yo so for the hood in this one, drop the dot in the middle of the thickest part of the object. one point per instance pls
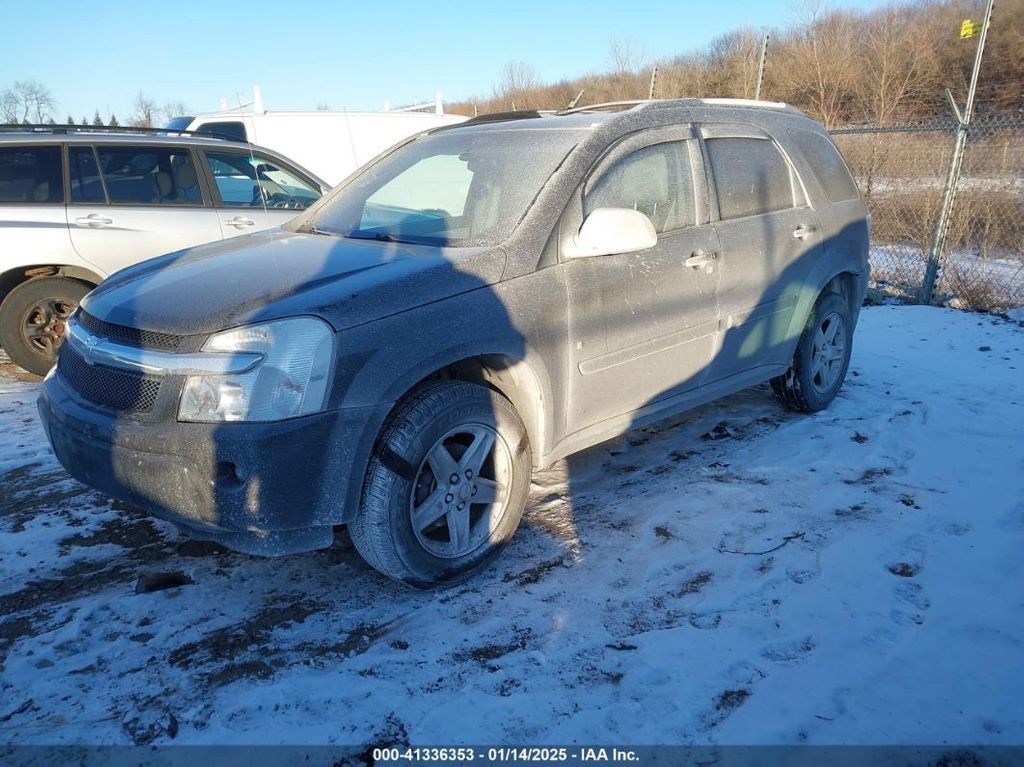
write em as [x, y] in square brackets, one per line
[276, 274]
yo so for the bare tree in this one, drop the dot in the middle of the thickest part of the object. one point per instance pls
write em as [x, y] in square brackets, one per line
[819, 64]
[897, 66]
[146, 113]
[733, 58]
[627, 57]
[172, 109]
[26, 101]
[517, 83]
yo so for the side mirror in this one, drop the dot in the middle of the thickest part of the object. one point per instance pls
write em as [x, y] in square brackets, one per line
[607, 231]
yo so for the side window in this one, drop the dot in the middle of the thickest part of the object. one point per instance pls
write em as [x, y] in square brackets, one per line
[31, 175]
[86, 185]
[149, 175]
[250, 181]
[827, 164]
[656, 180]
[228, 130]
[751, 176]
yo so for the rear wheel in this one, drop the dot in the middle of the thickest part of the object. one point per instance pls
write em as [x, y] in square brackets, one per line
[446, 486]
[821, 359]
[32, 320]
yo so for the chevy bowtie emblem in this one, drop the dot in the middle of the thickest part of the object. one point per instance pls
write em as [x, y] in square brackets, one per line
[90, 343]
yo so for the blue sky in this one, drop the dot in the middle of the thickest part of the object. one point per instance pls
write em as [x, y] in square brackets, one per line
[99, 54]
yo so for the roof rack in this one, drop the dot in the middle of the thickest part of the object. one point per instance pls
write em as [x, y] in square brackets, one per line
[685, 101]
[633, 104]
[63, 130]
[493, 117]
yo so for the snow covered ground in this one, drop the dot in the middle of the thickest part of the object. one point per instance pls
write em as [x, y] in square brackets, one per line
[737, 575]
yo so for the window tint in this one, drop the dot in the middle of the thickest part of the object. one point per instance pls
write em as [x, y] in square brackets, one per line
[31, 175]
[86, 185]
[149, 175]
[228, 130]
[250, 181]
[751, 176]
[828, 165]
[656, 180]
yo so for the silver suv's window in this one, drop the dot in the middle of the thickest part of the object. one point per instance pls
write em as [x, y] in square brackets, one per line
[31, 175]
[247, 180]
[129, 175]
[827, 164]
[656, 180]
[452, 188]
[751, 176]
[86, 184]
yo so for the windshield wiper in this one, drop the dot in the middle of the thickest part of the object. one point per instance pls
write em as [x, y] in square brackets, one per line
[313, 230]
[379, 236]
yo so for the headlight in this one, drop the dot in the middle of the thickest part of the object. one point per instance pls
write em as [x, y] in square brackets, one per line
[290, 380]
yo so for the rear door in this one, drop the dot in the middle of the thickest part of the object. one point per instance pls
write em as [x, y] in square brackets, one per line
[253, 191]
[129, 203]
[644, 324]
[769, 240]
[33, 224]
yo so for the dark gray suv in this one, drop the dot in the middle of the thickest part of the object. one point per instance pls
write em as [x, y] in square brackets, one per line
[480, 301]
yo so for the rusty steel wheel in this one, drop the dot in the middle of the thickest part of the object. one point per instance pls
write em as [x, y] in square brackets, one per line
[33, 317]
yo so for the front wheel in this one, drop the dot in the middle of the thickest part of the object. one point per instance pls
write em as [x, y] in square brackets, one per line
[821, 358]
[446, 486]
[32, 320]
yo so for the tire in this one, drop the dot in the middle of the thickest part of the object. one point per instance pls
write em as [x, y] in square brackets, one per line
[819, 366]
[32, 318]
[443, 420]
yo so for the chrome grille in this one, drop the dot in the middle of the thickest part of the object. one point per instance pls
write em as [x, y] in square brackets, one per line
[121, 390]
[145, 339]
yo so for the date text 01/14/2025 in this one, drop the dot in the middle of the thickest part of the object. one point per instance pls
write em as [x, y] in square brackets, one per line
[503, 754]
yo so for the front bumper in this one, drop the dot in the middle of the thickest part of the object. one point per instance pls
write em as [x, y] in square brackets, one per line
[261, 488]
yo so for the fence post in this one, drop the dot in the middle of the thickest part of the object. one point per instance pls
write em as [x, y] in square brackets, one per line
[760, 66]
[931, 272]
[938, 248]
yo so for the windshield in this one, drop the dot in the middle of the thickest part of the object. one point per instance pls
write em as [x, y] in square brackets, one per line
[178, 123]
[453, 188]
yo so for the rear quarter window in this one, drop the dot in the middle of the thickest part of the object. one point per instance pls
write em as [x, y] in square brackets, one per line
[31, 175]
[827, 164]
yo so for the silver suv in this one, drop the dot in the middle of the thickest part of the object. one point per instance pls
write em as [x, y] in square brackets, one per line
[77, 205]
[483, 300]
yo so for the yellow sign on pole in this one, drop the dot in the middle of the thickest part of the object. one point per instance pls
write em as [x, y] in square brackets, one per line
[968, 29]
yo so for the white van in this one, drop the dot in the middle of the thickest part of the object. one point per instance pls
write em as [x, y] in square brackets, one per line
[330, 144]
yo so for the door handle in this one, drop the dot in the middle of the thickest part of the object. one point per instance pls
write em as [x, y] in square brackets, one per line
[700, 258]
[802, 232]
[94, 219]
[238, 222]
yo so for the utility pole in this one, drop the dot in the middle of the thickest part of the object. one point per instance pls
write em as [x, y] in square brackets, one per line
[953, 177]
[760, 66]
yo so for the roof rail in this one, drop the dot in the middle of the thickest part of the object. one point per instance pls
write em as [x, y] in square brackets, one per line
[632, 103]
[493, 117]
[725, 102]
[63, 130]
[683, 101]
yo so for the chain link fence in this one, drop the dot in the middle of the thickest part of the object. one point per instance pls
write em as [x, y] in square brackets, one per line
[904, 173]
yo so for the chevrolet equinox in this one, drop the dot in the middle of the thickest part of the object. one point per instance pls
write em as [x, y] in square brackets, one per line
[480, 301]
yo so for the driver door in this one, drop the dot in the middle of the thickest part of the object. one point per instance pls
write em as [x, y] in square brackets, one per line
[253, 192]
[644, 325]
